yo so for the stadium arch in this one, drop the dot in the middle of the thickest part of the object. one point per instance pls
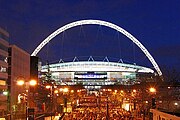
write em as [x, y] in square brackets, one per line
[103, 23]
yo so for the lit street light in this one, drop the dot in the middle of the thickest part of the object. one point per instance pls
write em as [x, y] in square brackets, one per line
[152, 90]
[153, 100]
[48, 86]
[20, 82]
[176, 104]
[51, 87]
[134, 91]
[55, 91]
[65, 90]
[27, 85]
[32, 82]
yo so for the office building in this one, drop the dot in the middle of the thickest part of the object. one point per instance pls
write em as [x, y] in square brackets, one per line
[19, 69]
[4, 44]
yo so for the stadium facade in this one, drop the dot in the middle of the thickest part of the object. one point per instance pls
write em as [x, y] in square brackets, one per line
[94, 74]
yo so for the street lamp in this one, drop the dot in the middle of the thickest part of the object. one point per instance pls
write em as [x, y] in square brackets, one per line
[65, 90]
[48, 86]
[152, 90]
[27, 85]
[134, 90]
[53, 92]
[56, 91]
[51, 96]
[176, 104]
[32, 82]
[72, 91]
[20, 82]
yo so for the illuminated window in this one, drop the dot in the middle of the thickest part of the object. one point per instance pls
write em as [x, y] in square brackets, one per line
[2, 82]
[6, 60]
[3, 69]
[3, 58]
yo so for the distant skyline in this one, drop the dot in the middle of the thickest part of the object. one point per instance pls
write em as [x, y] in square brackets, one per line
[154, 23]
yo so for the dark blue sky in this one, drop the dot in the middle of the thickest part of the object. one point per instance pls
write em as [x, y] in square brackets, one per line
[155, 23]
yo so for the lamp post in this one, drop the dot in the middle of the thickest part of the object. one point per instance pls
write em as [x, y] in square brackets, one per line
[51, 96]
[27, 85]
[152, 91]
[65, 92]
[52, 87]
[176, 107]
[107, 108]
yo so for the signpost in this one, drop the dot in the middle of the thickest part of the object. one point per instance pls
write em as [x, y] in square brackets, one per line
[30, 114]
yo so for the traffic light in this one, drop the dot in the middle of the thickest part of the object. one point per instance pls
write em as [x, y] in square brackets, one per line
[153, 103]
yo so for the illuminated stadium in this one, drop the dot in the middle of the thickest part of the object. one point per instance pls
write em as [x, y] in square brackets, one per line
[93, 73]
[96, 73]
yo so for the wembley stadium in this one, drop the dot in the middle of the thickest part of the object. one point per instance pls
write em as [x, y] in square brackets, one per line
[94, 74]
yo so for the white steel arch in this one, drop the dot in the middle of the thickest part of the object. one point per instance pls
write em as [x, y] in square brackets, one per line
[98, 22]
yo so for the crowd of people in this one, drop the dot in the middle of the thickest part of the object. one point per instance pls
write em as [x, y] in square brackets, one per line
[97, 114]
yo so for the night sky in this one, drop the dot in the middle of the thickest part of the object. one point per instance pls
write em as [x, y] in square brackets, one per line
[155, 23]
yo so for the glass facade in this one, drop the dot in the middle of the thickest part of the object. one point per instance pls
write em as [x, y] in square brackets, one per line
[92, 78]
[93, 73]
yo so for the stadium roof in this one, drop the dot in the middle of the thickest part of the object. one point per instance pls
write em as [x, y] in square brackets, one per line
[98, 66]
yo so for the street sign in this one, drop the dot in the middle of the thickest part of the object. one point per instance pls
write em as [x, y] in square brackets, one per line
[30, 114]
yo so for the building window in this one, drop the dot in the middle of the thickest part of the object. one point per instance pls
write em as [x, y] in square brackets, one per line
[6, 60]
[2, 82]
[4, 37]
[3, 69]
[2, 47]
[3, 58]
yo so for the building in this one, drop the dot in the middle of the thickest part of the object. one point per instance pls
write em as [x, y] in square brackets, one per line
[19, 69]
[4, 44]
[93, 74]
[34, 63]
